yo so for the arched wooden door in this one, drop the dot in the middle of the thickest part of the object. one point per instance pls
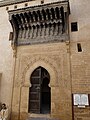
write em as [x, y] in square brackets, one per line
[39, 93]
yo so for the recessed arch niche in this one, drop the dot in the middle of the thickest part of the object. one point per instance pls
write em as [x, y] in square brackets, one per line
[40, 92]
[51, 67]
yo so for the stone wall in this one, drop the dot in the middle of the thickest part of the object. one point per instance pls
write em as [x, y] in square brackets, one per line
[0, 87]
[6, 58]
[80, 60]
[80, 66]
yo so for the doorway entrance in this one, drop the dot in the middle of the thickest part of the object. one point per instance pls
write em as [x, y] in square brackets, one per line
[40, 92]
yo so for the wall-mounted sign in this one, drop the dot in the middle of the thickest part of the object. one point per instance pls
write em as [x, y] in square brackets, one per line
[81, 99]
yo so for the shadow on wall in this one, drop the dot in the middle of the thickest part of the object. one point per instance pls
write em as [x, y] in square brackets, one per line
[0, 106]
[0, 87]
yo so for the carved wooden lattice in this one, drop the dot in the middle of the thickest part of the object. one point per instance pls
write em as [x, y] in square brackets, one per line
[38, 24]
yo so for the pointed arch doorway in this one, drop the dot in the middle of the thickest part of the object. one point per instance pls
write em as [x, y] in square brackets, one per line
[40, 92]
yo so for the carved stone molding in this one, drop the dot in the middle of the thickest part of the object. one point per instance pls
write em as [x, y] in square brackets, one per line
[30, 64]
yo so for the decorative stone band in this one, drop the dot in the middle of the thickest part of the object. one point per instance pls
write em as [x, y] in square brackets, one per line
[11, 2]
[40, 24]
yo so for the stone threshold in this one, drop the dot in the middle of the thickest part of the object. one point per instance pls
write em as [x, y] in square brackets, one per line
[40, 117]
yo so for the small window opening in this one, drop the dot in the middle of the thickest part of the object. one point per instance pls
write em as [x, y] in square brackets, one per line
[15, 7]
[42, 1]
[74, 27]
[79, 47]
[26, 4]
[7, 8]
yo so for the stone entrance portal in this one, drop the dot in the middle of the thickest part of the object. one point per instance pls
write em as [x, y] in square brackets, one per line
[39, 92]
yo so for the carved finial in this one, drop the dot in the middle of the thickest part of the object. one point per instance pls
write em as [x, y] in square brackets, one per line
[67, 42]
[14, 49]
[67, 45]
[15, 53]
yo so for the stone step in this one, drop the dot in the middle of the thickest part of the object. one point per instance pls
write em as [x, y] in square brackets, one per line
[41, 118]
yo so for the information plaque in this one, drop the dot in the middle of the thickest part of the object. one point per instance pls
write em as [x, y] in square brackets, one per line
[81, 99]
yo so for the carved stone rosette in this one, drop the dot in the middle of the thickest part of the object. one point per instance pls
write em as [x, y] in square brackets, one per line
[40, 24]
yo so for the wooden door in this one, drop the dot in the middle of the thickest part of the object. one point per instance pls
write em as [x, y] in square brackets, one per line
[39, 94]
[35, 94]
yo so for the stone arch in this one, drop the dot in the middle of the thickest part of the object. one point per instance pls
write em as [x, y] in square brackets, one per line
[30, 65]
[50, 68]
